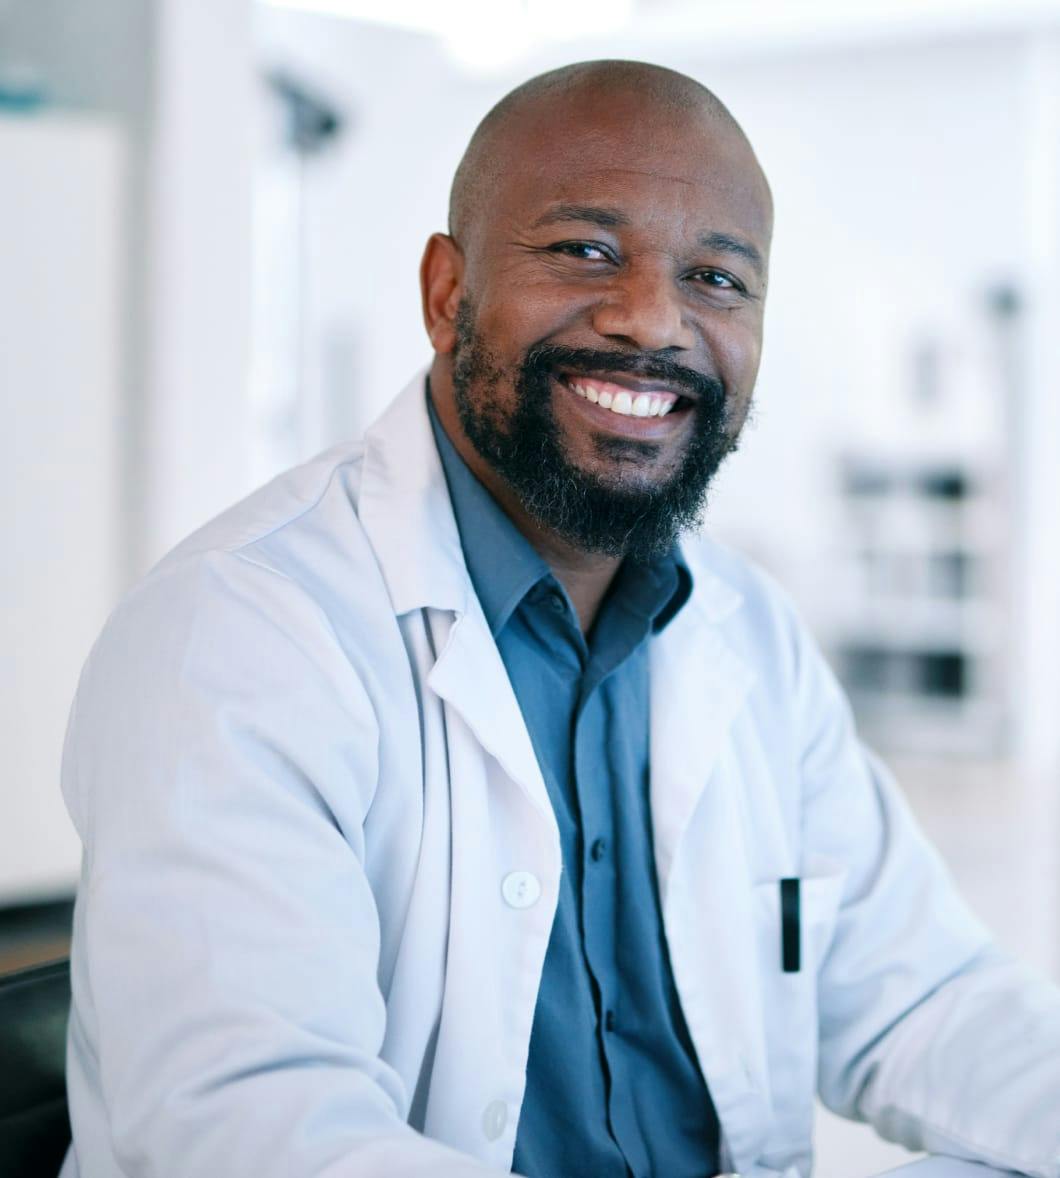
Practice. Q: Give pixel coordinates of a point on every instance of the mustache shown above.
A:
(543, 358)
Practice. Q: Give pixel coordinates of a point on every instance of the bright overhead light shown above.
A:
(492, 35)
(483, 34)
(416, 15)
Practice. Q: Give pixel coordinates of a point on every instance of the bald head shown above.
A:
(565, 102)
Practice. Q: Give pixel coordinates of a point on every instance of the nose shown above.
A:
(643, 308)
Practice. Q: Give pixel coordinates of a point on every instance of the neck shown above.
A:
(586, 576)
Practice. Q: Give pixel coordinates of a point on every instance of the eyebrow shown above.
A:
(727, 244)
(594, 214)
(611, 218)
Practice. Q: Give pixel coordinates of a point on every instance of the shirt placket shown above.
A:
(599, 902)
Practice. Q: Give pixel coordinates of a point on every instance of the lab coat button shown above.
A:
(494, 1119)
(520, 889)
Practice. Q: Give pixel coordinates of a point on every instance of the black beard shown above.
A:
(616, 518)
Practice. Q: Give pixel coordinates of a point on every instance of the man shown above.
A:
(443, 815)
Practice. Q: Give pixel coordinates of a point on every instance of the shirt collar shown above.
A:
(682, 589)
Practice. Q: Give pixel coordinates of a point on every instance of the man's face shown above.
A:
(610, 323)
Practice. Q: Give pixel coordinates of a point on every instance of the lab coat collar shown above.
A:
(405, 509)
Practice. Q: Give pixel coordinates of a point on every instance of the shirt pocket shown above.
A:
(790, 1013)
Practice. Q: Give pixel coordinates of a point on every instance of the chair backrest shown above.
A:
(34, 1123)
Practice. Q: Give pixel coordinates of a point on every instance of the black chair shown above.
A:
(34, 1122)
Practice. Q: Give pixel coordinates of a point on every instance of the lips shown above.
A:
(633, 384)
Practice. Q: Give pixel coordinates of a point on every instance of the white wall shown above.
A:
(374, 200)
(98, 57)
(60, 391)
(178, 77)
(195, 422)
(124, 307)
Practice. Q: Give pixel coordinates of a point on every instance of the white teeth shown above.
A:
(626, 404)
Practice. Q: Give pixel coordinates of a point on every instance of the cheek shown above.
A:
(498, 340)
(736, 344)
(737, 350)
(521, 306)
(485, 374)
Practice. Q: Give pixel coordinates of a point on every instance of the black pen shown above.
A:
(790, 920)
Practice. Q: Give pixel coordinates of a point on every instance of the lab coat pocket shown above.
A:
(794, 925)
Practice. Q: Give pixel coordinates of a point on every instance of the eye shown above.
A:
(590, 251)
(718, 280)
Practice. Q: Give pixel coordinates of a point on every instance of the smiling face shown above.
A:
(598, 323)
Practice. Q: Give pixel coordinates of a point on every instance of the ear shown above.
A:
(441, 288)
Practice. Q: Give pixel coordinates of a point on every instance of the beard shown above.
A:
(624, 516)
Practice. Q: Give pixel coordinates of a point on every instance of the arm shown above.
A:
(227, 937)
(927, 1030)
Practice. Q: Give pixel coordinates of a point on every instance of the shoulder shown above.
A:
(755, 611)
(272, 523)
(284, 569)
(761, 623)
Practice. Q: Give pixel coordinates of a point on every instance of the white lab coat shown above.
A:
(302, 780)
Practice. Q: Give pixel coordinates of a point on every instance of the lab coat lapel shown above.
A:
(470, 676)
(699, 685)
(405, 509)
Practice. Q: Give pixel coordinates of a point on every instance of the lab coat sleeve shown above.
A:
(226, 938)
(927, 1030)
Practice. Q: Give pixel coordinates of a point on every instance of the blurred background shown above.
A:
(211, 216)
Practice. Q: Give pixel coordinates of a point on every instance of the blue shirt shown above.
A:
(613, 1086)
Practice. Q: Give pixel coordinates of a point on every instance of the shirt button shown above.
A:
(597, 850)
(557, 602)
(494, 1119)
(609, 1020)
(520, 889)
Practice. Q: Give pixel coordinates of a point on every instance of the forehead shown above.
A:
(679, 171)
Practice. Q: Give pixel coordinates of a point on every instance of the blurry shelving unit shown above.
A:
(921, 626)
(920, 637)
